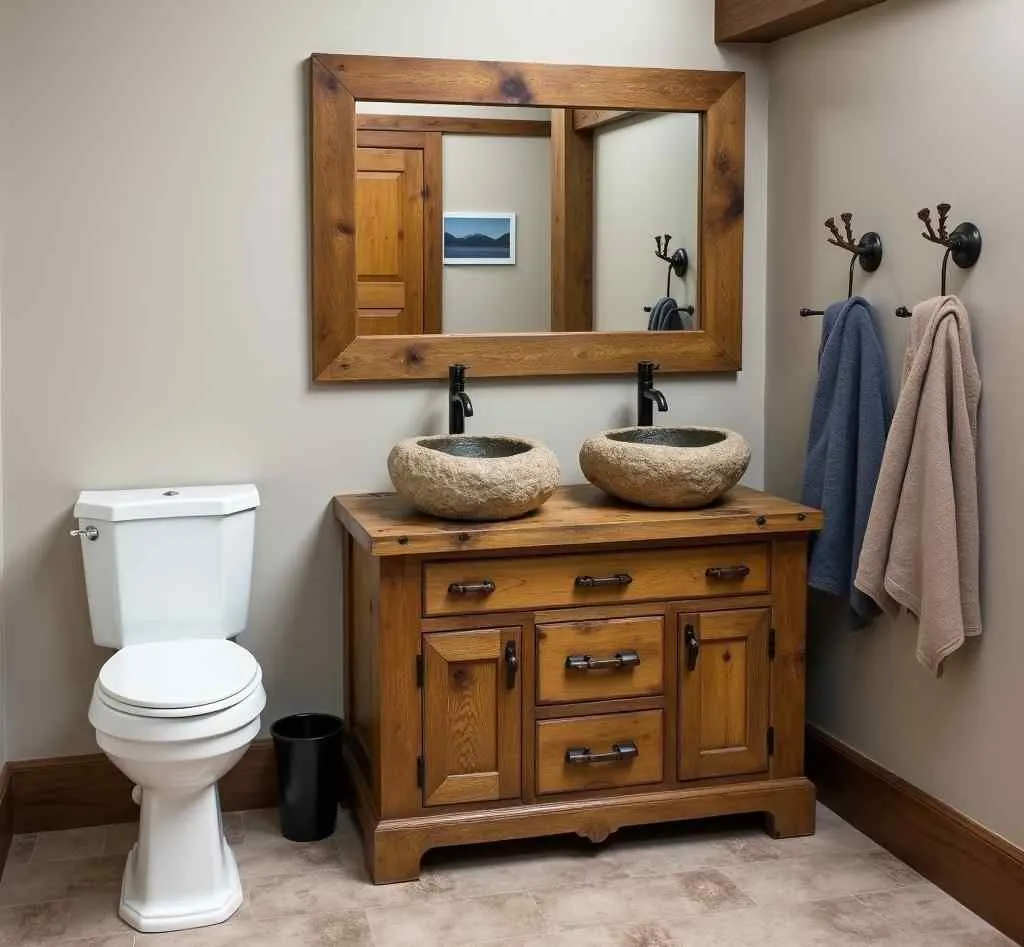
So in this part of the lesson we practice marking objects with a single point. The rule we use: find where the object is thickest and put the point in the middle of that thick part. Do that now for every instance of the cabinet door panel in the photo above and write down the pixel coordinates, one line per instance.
(724, 693)
(472, 716)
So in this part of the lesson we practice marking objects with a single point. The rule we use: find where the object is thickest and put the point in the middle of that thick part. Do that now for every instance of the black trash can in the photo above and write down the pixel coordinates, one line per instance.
(308, 751)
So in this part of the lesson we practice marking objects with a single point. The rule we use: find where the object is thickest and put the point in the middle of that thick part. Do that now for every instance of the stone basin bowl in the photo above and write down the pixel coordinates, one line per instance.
(666, 467)
(473, 477)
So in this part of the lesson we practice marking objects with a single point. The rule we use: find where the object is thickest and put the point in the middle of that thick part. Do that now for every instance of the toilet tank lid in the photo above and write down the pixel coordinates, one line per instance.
(163, 502)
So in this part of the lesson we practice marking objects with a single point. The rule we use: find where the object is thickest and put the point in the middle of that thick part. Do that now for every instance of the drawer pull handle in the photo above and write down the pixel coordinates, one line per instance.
(626, 750)
(584, 662)
(593, 582)
(727, 572)
(692, 643)
(471, 588)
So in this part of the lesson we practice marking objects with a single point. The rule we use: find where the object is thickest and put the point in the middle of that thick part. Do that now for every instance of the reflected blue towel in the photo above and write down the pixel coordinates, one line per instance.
(849, 424)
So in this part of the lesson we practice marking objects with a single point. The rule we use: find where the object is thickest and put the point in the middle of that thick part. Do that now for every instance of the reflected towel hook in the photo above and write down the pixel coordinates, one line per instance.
(678, 262)
(867, 251)
(963, 245)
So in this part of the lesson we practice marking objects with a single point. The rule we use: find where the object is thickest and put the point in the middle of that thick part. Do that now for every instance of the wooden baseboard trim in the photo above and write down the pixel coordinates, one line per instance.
(72, 792)
(6, 815)
(980, 869)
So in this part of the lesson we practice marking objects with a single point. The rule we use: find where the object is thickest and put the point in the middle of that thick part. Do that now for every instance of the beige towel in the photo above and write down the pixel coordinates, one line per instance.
(921, 547)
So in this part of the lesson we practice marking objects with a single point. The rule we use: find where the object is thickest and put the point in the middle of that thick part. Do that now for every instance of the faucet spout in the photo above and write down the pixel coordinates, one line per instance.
(460, 406)
(647, 395)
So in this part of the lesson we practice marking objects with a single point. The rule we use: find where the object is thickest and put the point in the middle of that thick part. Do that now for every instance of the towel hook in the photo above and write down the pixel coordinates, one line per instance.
(867, 251)
(963, 245)
(678, 262)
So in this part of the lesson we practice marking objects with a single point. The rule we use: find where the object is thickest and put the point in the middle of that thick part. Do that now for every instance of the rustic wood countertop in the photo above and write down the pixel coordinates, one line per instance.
(386, 525)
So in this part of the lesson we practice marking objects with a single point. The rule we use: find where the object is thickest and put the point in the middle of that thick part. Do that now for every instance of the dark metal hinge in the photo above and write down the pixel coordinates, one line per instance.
(771, 741)
(771, 645)
(419, 670)
(419, 771)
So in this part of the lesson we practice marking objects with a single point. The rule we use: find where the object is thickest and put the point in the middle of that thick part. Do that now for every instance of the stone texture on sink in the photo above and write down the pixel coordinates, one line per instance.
(473, 477)
(669, 468)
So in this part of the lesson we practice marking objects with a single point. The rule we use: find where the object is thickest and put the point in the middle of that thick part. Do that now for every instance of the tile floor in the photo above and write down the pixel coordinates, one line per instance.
(717, 884)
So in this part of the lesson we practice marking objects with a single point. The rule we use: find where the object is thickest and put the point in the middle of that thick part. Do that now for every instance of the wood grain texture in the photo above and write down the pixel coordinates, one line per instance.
(721, 221)
(455, 125)
(361, 658)
(598, 733)
(763, 21)
(725, 699)
(332, 216)
(385, 524)
(341, 355)
(590, 119)
(600, 639)
(977, 867)
(472, 719)
(389, 241)
(71, 792)
(547, 581)
(433, 234)
(788, 671)
(399, 844)
(572, 225)
(400, 708)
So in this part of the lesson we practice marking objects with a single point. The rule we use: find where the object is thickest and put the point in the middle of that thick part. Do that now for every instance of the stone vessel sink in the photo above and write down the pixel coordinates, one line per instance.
(473, 477)
(666, 467)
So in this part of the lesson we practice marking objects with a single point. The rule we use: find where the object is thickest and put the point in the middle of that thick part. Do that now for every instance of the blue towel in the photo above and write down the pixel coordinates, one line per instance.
(849, 424)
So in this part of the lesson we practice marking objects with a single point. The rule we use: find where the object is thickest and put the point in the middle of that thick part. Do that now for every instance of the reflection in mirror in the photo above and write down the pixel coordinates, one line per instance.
(495, 168)
(646, 184)
(454, 212)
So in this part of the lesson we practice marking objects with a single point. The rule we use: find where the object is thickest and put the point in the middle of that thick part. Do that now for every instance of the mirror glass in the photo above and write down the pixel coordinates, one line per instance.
(483, 252)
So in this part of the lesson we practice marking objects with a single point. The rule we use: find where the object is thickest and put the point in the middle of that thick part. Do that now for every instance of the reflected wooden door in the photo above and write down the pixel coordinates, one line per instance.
(389, 241)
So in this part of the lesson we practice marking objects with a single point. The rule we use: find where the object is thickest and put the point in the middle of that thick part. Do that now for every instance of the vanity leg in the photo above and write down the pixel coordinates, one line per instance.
(393, 857)
(792, 816)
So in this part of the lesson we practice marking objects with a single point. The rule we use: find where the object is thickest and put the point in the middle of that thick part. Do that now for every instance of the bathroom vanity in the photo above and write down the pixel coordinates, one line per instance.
(584, 668)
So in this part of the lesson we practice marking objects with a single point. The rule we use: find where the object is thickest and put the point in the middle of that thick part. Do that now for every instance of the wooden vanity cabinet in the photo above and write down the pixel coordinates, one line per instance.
(584, 668)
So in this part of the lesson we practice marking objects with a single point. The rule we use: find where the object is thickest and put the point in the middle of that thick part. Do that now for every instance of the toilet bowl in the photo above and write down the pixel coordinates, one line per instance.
(174, 716)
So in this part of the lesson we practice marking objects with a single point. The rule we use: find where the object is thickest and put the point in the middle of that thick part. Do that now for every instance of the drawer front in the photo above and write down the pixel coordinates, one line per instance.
(600, 660)
(469, 586)
(600, 752)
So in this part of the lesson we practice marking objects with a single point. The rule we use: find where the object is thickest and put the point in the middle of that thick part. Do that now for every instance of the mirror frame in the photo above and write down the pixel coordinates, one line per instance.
(338, 81)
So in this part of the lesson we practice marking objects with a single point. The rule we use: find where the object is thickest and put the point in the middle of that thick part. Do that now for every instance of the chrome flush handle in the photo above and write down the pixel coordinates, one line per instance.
(90, 532)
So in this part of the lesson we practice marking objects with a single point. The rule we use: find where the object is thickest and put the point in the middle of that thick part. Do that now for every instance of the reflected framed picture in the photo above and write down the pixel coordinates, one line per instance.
(482, 239)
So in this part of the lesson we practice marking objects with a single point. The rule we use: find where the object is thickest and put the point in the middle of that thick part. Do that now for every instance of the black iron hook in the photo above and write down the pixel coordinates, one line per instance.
(678, 262)
(867, 251)
(963, 245)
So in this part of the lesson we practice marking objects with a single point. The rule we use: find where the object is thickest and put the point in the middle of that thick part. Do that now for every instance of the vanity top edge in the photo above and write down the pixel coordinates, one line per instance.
(386, 525)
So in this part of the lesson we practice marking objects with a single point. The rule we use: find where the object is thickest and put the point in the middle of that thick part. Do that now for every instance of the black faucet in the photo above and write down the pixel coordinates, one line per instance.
(459, 405)
(647, 394)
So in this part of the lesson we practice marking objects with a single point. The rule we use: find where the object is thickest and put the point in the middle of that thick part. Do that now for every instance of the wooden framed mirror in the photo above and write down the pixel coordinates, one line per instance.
(381, 252)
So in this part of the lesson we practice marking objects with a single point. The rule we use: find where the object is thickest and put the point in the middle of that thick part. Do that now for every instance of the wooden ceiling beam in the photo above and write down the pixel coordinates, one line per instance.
(764, 21)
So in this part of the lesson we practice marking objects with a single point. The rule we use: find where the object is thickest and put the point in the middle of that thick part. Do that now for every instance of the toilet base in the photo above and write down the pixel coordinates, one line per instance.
(181, 873)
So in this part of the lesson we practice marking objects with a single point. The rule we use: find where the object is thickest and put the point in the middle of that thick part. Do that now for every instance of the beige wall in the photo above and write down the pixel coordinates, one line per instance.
(156, 299)
(646, 182)
(908, 104)
(500, 174)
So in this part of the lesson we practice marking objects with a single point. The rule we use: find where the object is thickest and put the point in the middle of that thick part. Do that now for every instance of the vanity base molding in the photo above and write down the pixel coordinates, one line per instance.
(589, 667)
(394, 847)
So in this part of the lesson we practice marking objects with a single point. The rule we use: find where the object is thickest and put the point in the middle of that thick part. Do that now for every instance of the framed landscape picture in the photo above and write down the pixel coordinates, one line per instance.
(482, 238)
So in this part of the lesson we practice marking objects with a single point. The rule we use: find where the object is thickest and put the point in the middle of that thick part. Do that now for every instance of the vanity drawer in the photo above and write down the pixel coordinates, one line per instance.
(600, 752)
(600, 660)
(467, 586)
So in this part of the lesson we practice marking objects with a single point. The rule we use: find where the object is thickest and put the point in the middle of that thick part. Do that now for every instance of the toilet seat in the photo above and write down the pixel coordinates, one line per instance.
(185, 678)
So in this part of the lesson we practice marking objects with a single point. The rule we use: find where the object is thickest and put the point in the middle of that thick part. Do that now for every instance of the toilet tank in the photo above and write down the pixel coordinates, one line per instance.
(167, 563)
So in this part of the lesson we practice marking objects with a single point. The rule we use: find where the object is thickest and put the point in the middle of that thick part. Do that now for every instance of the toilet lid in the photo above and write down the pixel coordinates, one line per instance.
(178, 675)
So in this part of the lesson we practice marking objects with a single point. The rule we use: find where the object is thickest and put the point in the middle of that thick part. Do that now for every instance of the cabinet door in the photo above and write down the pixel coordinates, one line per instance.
(723, 693)
(472, 716)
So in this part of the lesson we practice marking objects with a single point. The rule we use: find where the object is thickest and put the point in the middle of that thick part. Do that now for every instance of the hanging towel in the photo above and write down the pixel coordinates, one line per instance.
(849, 421)
(921, 548)
(665, 316)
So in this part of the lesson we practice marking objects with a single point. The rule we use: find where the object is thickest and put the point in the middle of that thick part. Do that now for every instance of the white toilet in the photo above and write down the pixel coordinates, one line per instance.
(168, 574)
